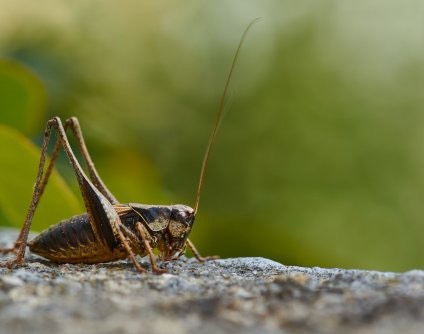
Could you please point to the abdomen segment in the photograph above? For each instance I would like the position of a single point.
(72, 241)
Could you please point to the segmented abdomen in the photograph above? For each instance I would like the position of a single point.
(72, 241)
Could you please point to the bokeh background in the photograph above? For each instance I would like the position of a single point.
(320, 159)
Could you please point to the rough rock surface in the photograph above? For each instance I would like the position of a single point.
(241, 295)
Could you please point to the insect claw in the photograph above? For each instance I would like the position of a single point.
(139, 268)
(7, 250)
(10, 264)
(207, 258)
(197, 255)
(159, 271)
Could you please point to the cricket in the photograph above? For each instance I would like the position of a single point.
(109, 231)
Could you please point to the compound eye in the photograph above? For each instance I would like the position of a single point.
(177, 229)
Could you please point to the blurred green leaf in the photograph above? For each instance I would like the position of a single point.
(134, 180)
(22, 97)
(18, 171)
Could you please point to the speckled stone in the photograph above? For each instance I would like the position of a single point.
(241, 295)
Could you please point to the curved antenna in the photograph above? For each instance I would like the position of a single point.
(219, 115)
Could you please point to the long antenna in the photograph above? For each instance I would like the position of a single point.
(220, 113)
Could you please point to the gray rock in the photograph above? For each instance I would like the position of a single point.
(242, 295)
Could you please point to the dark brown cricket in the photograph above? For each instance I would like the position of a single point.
(109, 230)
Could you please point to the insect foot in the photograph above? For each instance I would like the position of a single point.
(197, 255)
(17, 251)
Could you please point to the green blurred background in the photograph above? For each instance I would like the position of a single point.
(320, 159)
